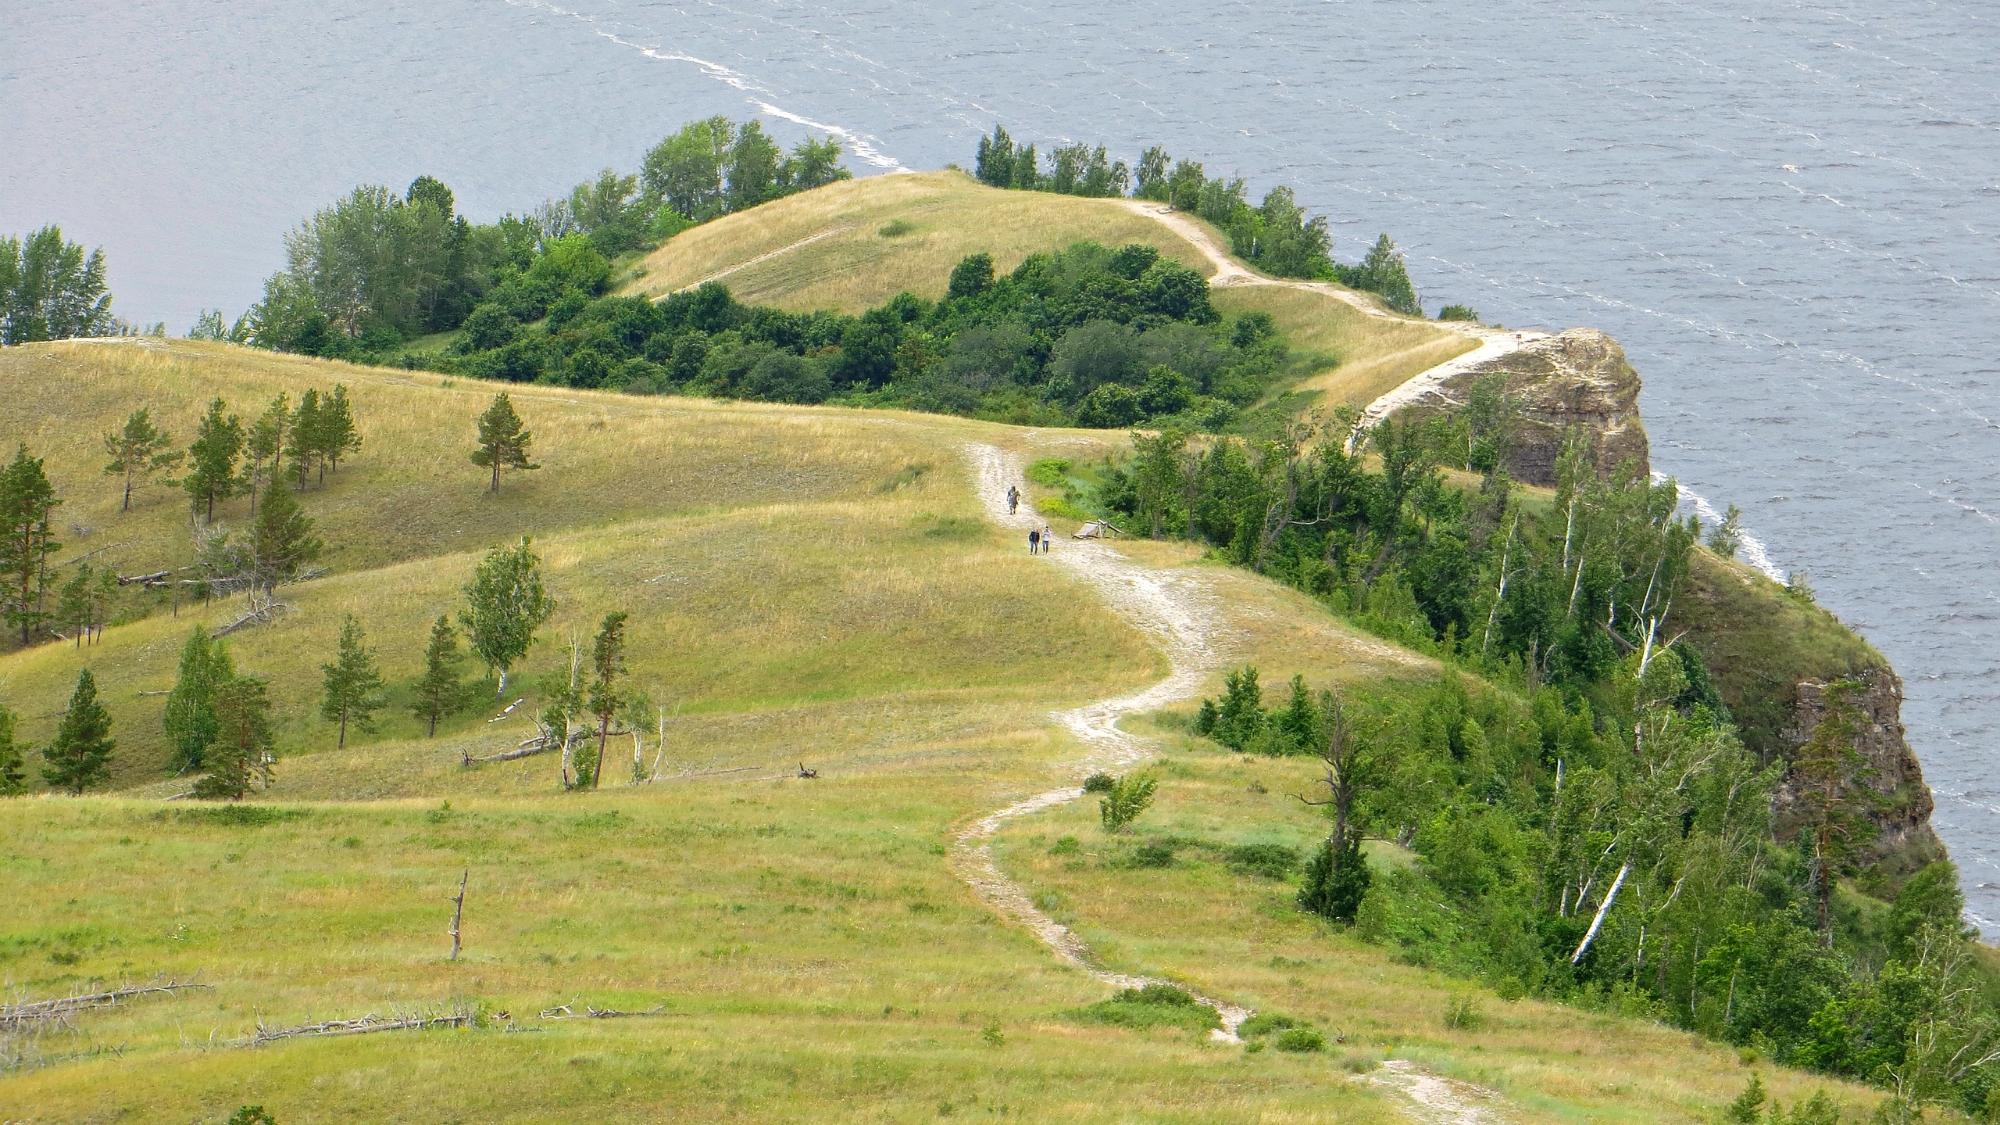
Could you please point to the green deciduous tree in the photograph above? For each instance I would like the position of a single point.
(503, 440)
(50, 289)
(240, 754)
(1382, 272)
(190, 715)
(282, 543)
(752, 168)
(211, 476)
(352, 684)
(440, 691)
(80, 755)
(138, 450)
(606, 694)
(26, 542)
(505, 604)
(685, 171)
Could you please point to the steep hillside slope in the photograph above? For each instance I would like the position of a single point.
(807, 585)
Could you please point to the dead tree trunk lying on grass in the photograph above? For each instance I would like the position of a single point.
(362, 1026)
(263, 607)
(564, 1012)
(34, 1011)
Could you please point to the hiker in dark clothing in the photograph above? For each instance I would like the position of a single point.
(1013, 499)
(1034, 541)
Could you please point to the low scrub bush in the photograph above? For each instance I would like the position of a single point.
(1155, 1005)
(1300, 1040)
(1268, 861)
(1123, 803)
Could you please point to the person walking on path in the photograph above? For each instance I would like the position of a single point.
(1013, 499)
(1048, 538)
(1034, 541)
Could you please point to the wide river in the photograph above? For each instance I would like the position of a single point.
(1788, 212)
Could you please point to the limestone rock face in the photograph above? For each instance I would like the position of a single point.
(1575, 378)
(1904, 840)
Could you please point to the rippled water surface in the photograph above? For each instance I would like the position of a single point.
(1791, 218)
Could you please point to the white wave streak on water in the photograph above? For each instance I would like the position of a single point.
(1749, 548)
(860, 144)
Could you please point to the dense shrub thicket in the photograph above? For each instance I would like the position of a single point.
(377, 268)
(1088, 335)
(1275, 235)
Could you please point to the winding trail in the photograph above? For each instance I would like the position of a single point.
(1492, 343)
(1181, 614)
(1178, 612)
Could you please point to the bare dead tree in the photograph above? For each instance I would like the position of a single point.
(458, 913)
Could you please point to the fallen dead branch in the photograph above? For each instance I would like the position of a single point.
(364, 1025)
(565, 1012)
(509, 710)
(261, 610)
(32, 1011)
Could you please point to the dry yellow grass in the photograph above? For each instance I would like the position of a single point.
(829, 249)
(1370, 355)
(771, 558)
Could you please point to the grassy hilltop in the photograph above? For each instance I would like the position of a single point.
(809, 585)
(853, 245)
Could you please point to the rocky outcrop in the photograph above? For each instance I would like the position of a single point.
(1578, 378)
(1900, 803)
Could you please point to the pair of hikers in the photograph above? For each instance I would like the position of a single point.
(1040, 539)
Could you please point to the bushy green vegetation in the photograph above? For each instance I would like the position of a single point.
(1087, 336)
(50, 289)
(1276, 235)
(378, 269)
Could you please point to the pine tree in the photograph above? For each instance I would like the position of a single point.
(137, 451)
(502, 440)
(73, 604)
(12, 778)
(353, 685)
(80, 756)
(607, 664)
(440, 690)
(337, 435)
(266, 442)
(506, 603)
(101, 597)
(218, 442)
(190, 717)
(303, 434)
(241, 753)
(1830, 777)
(1337, 878)
(281, 542)
(26, 501)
